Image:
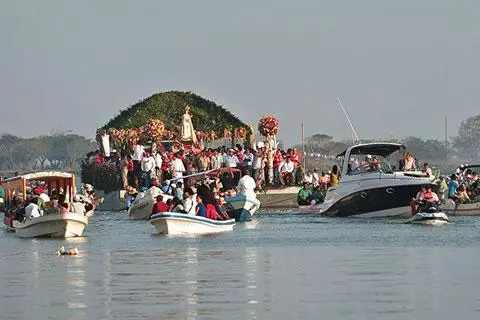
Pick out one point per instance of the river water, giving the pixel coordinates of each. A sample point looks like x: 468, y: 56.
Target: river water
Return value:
x: 281, y: 266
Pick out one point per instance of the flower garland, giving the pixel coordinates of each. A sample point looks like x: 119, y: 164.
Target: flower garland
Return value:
x: 240, y: 133
x: 268, y: 126
x: 153, y: 128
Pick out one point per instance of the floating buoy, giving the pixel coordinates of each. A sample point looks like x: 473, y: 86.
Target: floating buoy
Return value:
x: 69, y: 252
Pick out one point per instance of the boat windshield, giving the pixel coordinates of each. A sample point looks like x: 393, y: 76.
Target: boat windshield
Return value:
x: 361, y: 163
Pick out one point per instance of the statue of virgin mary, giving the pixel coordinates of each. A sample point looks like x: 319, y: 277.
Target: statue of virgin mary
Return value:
x: 187, y: 132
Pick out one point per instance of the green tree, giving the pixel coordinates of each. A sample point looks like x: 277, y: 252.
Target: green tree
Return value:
x: 468, y: 139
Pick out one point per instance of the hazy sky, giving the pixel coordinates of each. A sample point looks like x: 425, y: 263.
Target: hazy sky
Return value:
x: 398, y: 66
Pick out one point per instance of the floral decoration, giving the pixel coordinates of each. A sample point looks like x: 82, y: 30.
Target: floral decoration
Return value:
x: 268, y: 126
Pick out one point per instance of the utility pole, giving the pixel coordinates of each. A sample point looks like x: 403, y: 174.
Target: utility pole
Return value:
x: 446, y: 139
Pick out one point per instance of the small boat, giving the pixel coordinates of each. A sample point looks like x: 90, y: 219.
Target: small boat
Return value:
x: 243, y: 206
x: 16, y: 193
x: 182, y: 224
x: 56, y: 225
x: 429, y: 214
x: 429, y: 218
x: 461, y: 209
x: 142, y: 207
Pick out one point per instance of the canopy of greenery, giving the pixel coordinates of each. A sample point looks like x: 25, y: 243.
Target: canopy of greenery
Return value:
x: 169, y: 108
x: 60, y: 150
x: 468, y: 139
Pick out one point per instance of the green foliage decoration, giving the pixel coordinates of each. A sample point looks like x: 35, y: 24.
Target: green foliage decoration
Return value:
x: 169, y: 108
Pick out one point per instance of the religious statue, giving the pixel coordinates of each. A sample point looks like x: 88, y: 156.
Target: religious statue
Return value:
x: 187, y: 132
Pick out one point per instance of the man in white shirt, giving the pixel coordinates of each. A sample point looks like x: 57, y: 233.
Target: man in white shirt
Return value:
x: 32, y: 211
x: 256, y: 165
x: 231, y: 160
x: 247, y: 162
x: 178, y: 168
x: 158, y: 166
x: 147, y: 165
x: 287, y: 171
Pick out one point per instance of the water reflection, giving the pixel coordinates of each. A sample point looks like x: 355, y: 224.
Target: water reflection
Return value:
x: 287, y: 269
x: 251, y: 281
x: 191, y: 277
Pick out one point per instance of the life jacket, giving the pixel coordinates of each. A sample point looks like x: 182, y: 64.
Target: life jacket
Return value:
x: 428, y: 195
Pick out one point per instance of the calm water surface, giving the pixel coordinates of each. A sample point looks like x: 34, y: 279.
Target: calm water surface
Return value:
x: 282, y: 266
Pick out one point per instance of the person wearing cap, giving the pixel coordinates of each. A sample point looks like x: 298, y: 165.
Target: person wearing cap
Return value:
x: 304, y: 196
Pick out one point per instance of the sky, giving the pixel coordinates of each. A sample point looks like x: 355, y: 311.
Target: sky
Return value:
x: 398, y: 66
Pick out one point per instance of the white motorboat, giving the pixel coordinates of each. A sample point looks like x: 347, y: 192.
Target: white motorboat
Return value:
x: 55, y: 225
x: 141, y: 208
x: 243, y: 206
x: 373, y: 191
x: 182, y: 224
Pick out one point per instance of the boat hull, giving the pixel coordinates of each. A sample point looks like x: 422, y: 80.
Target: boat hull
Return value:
x: 464, y: 209
x: 242, y: 207
x: 52, y: 226
x: 182, y: 224
x: 378, y: 202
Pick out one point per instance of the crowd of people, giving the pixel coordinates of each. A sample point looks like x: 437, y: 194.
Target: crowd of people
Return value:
x: 142, y: 166
x: 462, y: 186
x: 41, y: 199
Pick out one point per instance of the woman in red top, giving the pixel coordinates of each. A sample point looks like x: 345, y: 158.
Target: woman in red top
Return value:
x: 131, y: 171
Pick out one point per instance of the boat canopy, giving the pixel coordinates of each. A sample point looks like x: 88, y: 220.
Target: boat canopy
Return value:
x: 383, y: 149
x: 16, y: 187
x: 43, y: 175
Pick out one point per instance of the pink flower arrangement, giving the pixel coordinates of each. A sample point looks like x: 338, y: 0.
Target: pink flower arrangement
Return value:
x: 153, y: 128
x: 268, y: 126
x: 241, y: 133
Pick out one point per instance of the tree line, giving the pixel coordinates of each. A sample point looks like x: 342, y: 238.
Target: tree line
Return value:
x: 56, y: 151
x: 66, y: 150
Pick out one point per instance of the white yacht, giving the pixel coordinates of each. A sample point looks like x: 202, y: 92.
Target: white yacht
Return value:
x: 373, y: 191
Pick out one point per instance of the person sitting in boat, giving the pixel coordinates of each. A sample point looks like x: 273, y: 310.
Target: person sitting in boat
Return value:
x: 418, y: 198
x: 188, y: 202
x: 318, y: 196
x: 201, y: 210
x: 222, y: 212
x: 462, y: 195
x: 160, y: 206
x: 176, y: 206
x: 208, y: 200
x: 32, y: 210
x: 166, y: 187
x: 452, y: 187
x: 304, y: 197
x: 426, y: 170
x: 409, y: 162
x: 78, y: 205
x: 334, y: 176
